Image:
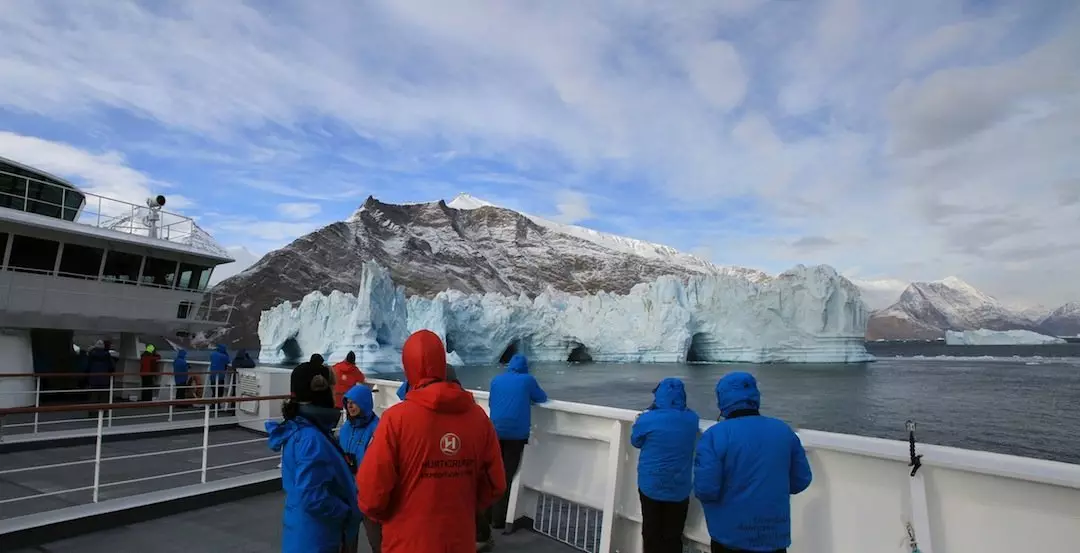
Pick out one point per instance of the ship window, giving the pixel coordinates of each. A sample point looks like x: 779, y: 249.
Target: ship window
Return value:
x: 12, y: 191
x: 80, y: 261
x: 32, y: 255
x: 159, y: 272
x: 193, y: 277
x: 3, y: 244
x: 45, y: 199
x: 121, y: 267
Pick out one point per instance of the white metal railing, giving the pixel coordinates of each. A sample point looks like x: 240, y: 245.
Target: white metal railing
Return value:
x: 166, y: 389
x: 97, y: 211
x: 99, y: 459
x: 578, y: 482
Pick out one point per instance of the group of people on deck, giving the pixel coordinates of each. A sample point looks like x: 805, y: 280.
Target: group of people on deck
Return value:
x: 433, y: 474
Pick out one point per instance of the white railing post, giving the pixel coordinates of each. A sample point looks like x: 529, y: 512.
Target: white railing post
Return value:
x: 614, y: 460
x: 920, y: 513
x: 172, y: 396
x: 111, y: 377
x: 205, y: 440
x: 97, y: 453
x: 37, y: 401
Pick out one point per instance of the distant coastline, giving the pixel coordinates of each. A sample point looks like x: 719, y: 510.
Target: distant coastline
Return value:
x: 914, y: 348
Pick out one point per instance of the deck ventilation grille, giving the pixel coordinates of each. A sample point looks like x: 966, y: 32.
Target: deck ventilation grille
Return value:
x: 571, y: 523
x: 249, y: 387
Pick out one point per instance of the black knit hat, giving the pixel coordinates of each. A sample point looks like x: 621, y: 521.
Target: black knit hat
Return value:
x: 310, y: 383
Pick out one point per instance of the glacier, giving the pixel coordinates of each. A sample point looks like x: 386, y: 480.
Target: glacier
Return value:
x: 804, y: 315
x: 984, y: 337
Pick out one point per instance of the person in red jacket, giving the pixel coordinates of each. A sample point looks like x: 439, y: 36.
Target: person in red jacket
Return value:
x: 148, y: 365
x: 434, y: 461
x: 346, y: 375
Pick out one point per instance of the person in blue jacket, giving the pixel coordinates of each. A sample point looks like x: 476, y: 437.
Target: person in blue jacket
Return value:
x: 510, y: 400
x: 321, y: 510
x: 180, y: 375
x: 746, y: 468
x: 666, y: 434
x: 354, y: 437
x: 219, y: 364
x: 99, y: 363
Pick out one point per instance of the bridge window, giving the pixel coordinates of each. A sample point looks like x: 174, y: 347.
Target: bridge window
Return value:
x: 193, y: 277
x: 3, y: 240
x: 80, y: 261
x: 12, y: 191
x: 33, y: 255
x: 159, y: 272
x: 121, y: 267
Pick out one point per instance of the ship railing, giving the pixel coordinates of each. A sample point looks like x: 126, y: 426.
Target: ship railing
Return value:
x: 166, y: 391
x: 578, y: 484
x: 205, y: 306
x: 99, y: 459
x: 33, y: 195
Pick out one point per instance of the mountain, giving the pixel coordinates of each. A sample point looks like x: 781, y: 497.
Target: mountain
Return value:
x: 926, y: 310
x: 1063, y: 321
x: 468, y: 245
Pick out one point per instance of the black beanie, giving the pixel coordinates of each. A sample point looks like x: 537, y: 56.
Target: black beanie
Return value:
x: 351, y: 357
x: 310, y: 383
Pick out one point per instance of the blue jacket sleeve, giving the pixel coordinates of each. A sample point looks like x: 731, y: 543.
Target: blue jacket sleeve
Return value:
x: 536, y: 393
x: 402, y: 390
x: 800, y: 466
x: 709, y: 466
x: 314, y: 479
x: 640, y: 430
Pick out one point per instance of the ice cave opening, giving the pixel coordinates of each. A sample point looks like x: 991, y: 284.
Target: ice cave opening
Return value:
x: 511, y: 350
x: 291, y: 350
x: 696, y: 352
x: 449, y: 343
x: 579, y: 354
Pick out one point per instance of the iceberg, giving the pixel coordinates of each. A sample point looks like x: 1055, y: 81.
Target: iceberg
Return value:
x: 372, y: 324
x: 984, y: 337
x: 804, y: 315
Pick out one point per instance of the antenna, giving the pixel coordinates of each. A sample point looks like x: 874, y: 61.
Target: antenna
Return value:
x: 154, y: 216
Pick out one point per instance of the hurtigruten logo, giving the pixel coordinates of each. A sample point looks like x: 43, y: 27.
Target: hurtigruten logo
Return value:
x: 450, y: 444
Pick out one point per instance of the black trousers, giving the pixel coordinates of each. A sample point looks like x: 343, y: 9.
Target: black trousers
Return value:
x: 717, y: 548
x: 495, y: 516
x: 147, y: 388
x: 662, y: 524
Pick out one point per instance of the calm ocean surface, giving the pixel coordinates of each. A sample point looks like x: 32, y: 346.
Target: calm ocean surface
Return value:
x: 1019, y: 406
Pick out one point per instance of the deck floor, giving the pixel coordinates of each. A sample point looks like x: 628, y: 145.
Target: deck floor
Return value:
x: 55, y: 479
x: 251, y: 525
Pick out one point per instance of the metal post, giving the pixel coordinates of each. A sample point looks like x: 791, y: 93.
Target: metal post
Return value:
x: 37, y: 402
x: 172, y: 396
x: 97, y: 454
x: 205, y: 440
x: 99, y: 211
x: 111, y: 377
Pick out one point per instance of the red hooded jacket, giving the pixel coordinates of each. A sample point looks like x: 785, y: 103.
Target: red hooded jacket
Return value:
x: 434, y: 460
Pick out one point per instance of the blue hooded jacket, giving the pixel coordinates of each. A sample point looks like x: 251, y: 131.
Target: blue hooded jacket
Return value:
x: 99, y: 363
x: 320, y: 490
x: 510, y: 401
x: 666, y: 434
x: 180, y: 367
x: 356, y: 433
x: 746, y: 469
x: 219, y: 359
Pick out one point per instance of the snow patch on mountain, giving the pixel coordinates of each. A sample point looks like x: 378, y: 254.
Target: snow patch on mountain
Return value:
x: 983, y: 337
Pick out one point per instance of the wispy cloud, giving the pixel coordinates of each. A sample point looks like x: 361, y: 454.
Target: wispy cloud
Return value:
x: 753, y: 130
x: 298, y: 210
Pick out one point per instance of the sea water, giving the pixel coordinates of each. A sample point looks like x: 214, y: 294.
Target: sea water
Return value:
x: 1018, y: 406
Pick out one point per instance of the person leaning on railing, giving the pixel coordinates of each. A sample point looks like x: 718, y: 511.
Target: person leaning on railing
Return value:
x: 148, y: 365
x: 746, y: 469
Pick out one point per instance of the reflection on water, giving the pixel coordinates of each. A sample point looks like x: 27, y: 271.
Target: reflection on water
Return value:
x: 998, y: 405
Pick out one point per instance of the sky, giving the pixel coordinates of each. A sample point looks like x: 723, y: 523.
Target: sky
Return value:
x: 895, y: 141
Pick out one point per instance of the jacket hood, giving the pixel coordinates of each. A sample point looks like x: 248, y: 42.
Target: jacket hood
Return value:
x: 181, y: 354
x: 737, y: 391
x: 670, y: 393
x: 281, y: 431
x: 518, y: 363
x: 424, y: 358
x: 361, y: 395
x: 221, y: 348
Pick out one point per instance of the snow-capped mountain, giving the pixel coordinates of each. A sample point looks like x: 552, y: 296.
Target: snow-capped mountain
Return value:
x: 926, y: 310
x: 467, y: 245
x: 1063, y: 321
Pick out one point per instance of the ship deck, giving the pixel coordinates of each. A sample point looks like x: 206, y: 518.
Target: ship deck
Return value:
x: 244, y: 526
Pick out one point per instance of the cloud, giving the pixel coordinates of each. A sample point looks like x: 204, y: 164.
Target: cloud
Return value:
x: 573, y: 207
x: 298, y: 210
x: 920, y: 138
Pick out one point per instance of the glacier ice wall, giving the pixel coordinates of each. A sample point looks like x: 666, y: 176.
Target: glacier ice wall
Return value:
x: 371, y: 323
x: 807, y: 314
x: 984, y: 337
